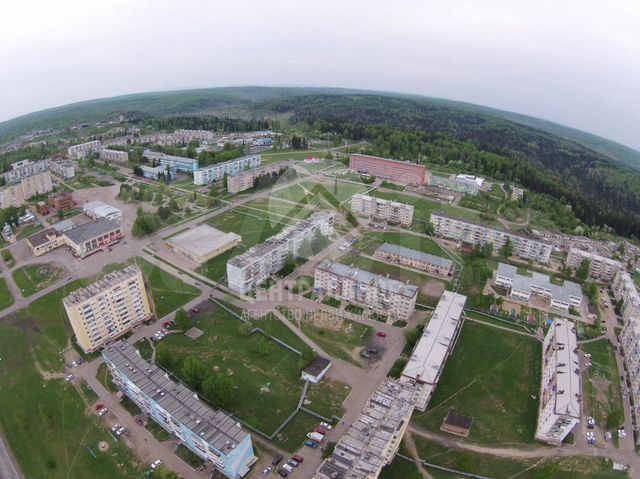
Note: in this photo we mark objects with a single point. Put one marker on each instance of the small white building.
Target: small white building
(98, 209)
(315, 371)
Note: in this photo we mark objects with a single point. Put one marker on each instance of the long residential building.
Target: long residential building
(83, 150)
(402, 172)
(212, 173)
(16, 194)
(246, 179)
(373, 439)
(624, 289)
(212, 435)
(253, 267)
(630, 342)
(600, 267)
(381, 209)
(560, 392)
(117, 156)
(415, 259)
(108, 308)
(469, 232)
(430, 354)
(522, 287)
(467, 184)
(178, 163)
(24, 168)
(374, 292)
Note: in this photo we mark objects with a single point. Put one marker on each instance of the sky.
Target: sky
(575, 62)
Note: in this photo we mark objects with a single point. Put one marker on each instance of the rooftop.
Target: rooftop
(318, 365)
(416, 255)
(594, 256)
(112, 279)
(203, 239)
(381, 282)
(382, 200)
(88, 231)
(537, 280)
(155, 155)
(42, 237)
(215, 427)
(567, 388)
(223, 163)
(388, 159)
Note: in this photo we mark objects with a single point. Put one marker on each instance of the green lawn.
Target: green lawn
(371, 240)
(31, 279)
(491, 376)
(50, 425)
(8, 258)
(6, 299)
(601, 385)
(104, 376)
(292, 437)
(326, 398)
(307, 192)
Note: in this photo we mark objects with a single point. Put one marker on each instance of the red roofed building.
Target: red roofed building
(391, 170)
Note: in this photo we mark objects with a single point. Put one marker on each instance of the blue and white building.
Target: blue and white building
(212, 435)
(177, 163)
(209, 174)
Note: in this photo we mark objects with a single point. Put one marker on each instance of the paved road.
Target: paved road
(8, 466)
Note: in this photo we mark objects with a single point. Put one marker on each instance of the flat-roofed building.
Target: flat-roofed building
(246, 179)
(415, 259)
(86, 238)
(189, 135)
(430, 354)
(21, 169)
(98, 210)
(402, 172)
(45, 241)
(315, 371)
(116, 156)
(202, 243)
(624, 289)
(210, 434)
(600, 267)
(382, 210)
(377, 293)
(216, 172)
(373, 439)
(61, 201)
(253, 267)
(560, 392)
(16, 194)
(62, 168)
(153, 172)
(516, 193)
(177, 163)
(108, 308)
(473, 233)
(83, 150)
(521, 286)
(466, 184)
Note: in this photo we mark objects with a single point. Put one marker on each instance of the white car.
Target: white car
(103, 411)
(115, 428)
(69, 378)
(587, 355)
(287, 468)
(156, 464)
(326, 425)
(622, 433)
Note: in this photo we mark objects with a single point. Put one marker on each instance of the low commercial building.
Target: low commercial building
(430, 354)
(377, 293)
(212, 435)
(401, 172)
(153, 172)
(212, 173)
(253, 267)
(98, 209)
(521, 286)
(600, 267)
(178, 163)
(61, 201)
(116, 156)
(246, 179)
(382, 210)
(466, 184)
(16, 194)
(202, 243)
(474, 233)
(45, 241)
(108, 308)
(415, 259)
(373, 439)
(624, 289)
(315, 371)
(89, 237)
(83, 150)
(560, 393)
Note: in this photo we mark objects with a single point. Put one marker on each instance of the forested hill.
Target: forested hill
(600, 190)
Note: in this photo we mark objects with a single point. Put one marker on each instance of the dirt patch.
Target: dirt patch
(432, 289)
(601, 385)
(327, 320)
(103, 446)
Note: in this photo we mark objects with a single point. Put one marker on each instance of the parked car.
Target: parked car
(195, 310)
(298, 458)
(115, 428)
(276, 460)
(315, 436)
(310, 444)
(320, 430)
(292, 462)
(326, 425)
(121, 430)
(287, 468)
(69, 378)
(591, 422)
(103, 411)
(282, 473)
(380, 334)
(266, 471)
(156, 463)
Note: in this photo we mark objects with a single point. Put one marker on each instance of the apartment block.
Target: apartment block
(83, 150)
(253, 267)
(212, 173)
(516, 193)
(210, 434)
(24, 168)
(402, 172)
(373, 439)
(415, 259)
(473, 233)
(108, 308)
(466, 184)
(376, 293)
(630, 342)
(600, 267)
(62, 168)
(189, 135)
(624, 289)
(177, 163)
(116, 156)
(382, 210)
(61, 201)
(245, 179)
(560, 393)
(17, 193)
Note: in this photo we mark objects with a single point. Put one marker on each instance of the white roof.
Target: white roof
(203, 239)
(525, 283)
(99, 208)
(567, 366)
(430, 353)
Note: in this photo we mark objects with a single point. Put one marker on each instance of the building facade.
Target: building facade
(624, 289)
(212, 173)
(415, 259)
(560, 392)
(213, 436)
(600, 268)
(253, 267)
(466, 184)
(83, 150)
(108, 308)
(27, 187)
(245, 179)
(61, 201)
(89, 237)
(630, 342)
(379, 294)
(382, 210)
(24, 168)
(474, 233)
(401, 172)
(98, 210)
(62, 168)
(177, 163)
(116, 156)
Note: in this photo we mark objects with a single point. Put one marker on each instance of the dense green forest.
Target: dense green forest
(599, 190)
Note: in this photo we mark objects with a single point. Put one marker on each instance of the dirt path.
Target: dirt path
(413, 452)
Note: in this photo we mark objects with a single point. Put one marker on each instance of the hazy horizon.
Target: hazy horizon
(573, 63)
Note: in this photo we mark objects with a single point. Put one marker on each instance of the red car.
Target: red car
(298, 458)
(195, 310)
(99, 406)
(381, 334)
(321, 430)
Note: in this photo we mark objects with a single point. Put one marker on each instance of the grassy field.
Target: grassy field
(307, 192)
(33, 278)
(293, 435)
(601, 387)
(371, 240)
(491, 376)
(51, 417)
(6, 299)
(327, 397)
(8, 258)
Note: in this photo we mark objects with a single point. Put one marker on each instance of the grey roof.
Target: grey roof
(215, 427)
(155, 155)
(88, 231)
(416, 255)
(381, 282)
(106, 282)
(316, 366)
(538, 280)
(63, 225)
(42, 237)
